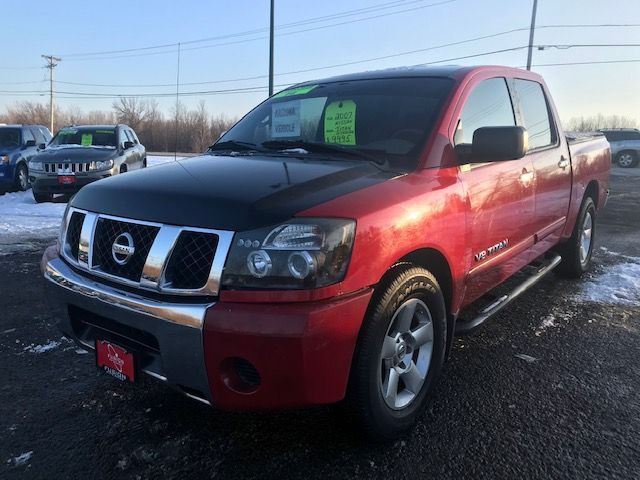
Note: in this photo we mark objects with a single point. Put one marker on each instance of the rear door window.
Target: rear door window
(534, 110)
(489, 105)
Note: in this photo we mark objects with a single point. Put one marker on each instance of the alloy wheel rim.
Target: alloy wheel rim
(22, 178)
(585, 238)
(405, 354)
(625, 160)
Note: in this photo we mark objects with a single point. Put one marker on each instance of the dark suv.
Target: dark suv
(18, 144)
(79, 155)
(625, 145)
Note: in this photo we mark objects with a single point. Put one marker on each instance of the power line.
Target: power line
(359, 11)
(306, 70)
(278, 34)
(593, 62)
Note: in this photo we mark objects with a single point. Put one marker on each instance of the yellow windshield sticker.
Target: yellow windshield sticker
(87, 139)
(295, 91)
(340, 123)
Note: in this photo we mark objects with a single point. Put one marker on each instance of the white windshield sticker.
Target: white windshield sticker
(285, 119)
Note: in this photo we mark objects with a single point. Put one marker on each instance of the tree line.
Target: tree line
(183, 130)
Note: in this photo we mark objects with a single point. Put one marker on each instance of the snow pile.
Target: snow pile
(50, 345)
(22, 218)
(153, 160)
(617, 284)
(22, 458)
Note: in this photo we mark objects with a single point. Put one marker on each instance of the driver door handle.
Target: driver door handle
(563, 163)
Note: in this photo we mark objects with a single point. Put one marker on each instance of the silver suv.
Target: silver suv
(625, 145)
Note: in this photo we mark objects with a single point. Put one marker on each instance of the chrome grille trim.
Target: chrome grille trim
(83, 167)
(152, 278)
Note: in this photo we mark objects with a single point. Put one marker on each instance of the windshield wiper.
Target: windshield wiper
(318, 147)
(234, 145)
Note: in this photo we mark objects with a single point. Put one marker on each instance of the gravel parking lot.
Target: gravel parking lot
(550, 388)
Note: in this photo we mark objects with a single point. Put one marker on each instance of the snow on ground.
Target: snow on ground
(616, 284)
(50, 345)
(21, 459)
(23, 220)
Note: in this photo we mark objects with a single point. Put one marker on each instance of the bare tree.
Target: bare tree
(130, 110)
(599, 121)
(194, 130)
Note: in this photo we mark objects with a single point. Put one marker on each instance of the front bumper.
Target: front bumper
(166, 338)
(48, 183)
(298, 353)
(7, 174)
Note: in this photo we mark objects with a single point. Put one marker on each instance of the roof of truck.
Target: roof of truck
(446, 71)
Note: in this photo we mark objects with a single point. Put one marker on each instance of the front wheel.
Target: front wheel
(42, 197)
(627, 159)
(577, 251)
(400, 353)
(22, 178)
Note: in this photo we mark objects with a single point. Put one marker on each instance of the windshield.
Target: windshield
(87, 137)
(9, 137)
(386, 119)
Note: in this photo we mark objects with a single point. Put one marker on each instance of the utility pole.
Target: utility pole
(271, 52)
(52, 62)
(531, 32)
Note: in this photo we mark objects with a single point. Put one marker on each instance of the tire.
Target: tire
(627, 159)
(395, 338)
(123, 168)
(21, 181)
(577, 251)
(42, 197)
(144, 163)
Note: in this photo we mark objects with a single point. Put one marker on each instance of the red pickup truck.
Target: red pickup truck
(330, 245)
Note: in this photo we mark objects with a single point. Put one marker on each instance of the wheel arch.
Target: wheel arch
(434, 261)
(593, 191)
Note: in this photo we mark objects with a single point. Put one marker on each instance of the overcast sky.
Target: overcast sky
(73, 27)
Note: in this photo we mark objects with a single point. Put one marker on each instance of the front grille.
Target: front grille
(191, 260)
(66, 167)
(165, 259)
(73, 233)
(107, 230)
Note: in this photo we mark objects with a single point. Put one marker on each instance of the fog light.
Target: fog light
(259, 263)
(301, 265)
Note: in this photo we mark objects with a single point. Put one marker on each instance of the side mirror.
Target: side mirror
(42, 146)
(493, 144)
(127, 145)
(30, 143)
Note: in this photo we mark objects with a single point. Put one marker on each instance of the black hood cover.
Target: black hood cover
(75, 154)
(227, 192)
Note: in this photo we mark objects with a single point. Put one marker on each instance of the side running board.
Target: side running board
(467, 326)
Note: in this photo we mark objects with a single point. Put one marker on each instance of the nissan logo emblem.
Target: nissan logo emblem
(122, 249)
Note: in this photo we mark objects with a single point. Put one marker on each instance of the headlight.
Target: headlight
(101, 165)
(4, 159)
(299, 254)
(35, 166)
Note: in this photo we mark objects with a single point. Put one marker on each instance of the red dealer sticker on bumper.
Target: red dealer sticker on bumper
(115, 361)
(66, 179)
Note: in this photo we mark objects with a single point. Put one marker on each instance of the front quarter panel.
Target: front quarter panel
(421, 210)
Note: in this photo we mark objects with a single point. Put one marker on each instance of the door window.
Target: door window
(26, 136)
(489, 105)
(535, 114)
(38, 135)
